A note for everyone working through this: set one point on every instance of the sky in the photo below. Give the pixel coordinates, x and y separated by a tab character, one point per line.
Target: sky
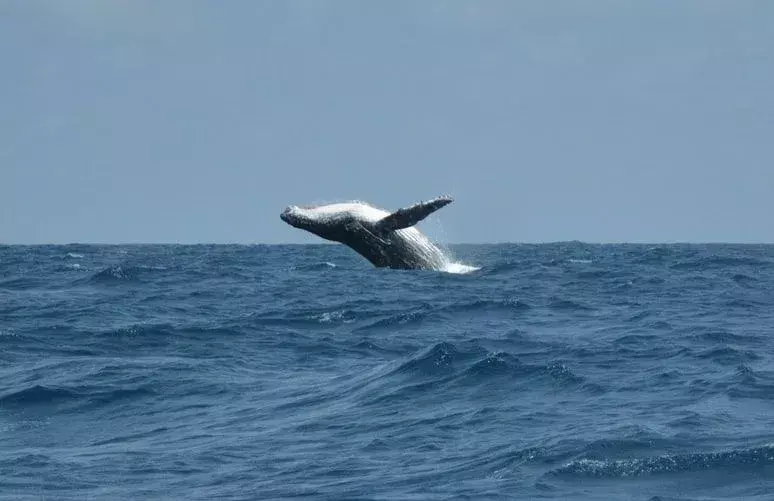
199	121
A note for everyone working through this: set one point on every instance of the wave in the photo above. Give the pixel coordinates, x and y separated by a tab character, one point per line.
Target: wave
419	374
510	305
741	459
716	335
21	283
715	262
596	274
324	266
43	395
749	383
498	364
504	364
642	315
68	267
438	359
745	303
37	394
727	355
404	318
136	330
21	461
645	340
311	317
653	255
369	317
744	279
503	268
568	305
335	317
8	332
122	273
474	364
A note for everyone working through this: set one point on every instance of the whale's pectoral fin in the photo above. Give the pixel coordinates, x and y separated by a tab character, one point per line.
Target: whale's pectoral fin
409	216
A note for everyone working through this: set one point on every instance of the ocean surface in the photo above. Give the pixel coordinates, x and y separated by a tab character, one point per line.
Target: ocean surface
558	371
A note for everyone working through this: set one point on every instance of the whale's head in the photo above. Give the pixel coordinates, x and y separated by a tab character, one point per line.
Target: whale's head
324	221
298	217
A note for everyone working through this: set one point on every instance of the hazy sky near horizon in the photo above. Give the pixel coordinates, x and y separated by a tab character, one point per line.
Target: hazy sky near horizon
199	121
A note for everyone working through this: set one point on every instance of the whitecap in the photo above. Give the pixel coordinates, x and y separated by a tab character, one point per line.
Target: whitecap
329	317
334	317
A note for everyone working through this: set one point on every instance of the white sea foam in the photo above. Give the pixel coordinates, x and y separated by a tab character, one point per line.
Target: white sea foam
335	316
329	317
458	268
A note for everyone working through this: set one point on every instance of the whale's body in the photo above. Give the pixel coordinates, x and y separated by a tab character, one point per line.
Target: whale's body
386	239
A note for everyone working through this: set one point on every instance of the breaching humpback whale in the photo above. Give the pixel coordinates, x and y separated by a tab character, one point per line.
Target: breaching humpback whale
385	239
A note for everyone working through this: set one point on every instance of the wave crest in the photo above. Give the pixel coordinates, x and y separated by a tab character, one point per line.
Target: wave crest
667	463
123	273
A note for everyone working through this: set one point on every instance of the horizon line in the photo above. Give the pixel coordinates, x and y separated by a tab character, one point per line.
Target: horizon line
544	242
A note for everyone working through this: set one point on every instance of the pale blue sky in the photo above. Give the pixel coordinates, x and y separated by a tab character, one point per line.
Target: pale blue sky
199	121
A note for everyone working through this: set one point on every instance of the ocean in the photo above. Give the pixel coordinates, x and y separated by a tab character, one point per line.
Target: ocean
226	372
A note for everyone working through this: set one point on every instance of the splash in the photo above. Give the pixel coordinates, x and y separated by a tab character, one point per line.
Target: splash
458	268
450	265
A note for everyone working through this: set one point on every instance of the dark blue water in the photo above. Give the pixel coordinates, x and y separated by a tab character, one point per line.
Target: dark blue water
564	371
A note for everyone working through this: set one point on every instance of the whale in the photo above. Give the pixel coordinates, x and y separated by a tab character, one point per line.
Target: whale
386	239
